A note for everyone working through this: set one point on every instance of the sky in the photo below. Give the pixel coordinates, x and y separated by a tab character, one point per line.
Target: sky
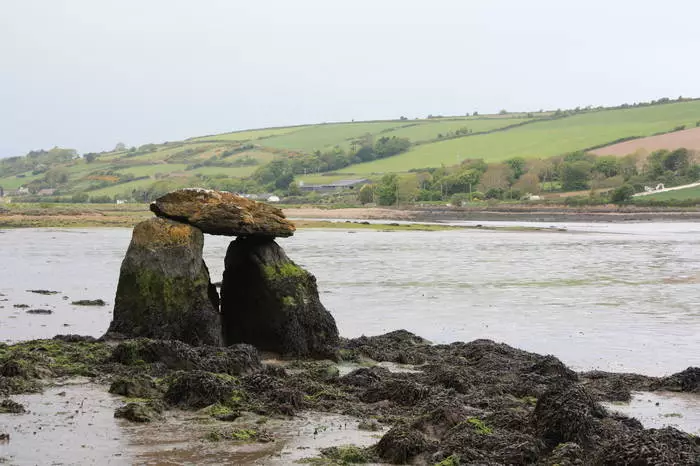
87	74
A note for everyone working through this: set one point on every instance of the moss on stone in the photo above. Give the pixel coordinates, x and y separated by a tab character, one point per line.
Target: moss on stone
285	270
480	426
240	435
289	301
452	460
216	410
59	357
159	232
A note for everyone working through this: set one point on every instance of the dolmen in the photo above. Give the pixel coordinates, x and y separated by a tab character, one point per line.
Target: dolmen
268	301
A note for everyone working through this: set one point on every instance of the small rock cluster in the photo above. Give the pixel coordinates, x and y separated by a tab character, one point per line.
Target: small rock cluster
165	291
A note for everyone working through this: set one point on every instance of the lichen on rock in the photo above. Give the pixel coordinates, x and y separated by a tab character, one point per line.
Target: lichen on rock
164	289
223	213
272	303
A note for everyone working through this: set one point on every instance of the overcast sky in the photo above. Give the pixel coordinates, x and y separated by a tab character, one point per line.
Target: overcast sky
87	74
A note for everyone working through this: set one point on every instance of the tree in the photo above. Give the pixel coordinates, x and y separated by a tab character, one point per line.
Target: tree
90	157
496	176
120	147
607	165
622	194
574	175
528	183
366	194
386	147
284	181
461	182
517	164
387	190
80	198
56	176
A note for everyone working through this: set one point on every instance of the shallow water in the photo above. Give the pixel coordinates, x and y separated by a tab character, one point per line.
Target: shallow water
75	424
662	409
620	297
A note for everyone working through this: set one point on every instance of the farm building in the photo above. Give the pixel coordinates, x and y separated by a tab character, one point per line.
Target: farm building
334	186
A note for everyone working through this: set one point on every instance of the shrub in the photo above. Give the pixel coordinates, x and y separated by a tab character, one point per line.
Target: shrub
622	194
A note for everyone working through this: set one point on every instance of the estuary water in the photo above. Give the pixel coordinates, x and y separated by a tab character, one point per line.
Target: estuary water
618	297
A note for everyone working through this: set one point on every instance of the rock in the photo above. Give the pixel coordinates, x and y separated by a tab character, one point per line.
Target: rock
650	447
134	387
402	392
176	355
685	381
199	389
44	292
566	413
89	302
141	412
40	311
401	444
71	338
9	406
273	304
223	213
164	289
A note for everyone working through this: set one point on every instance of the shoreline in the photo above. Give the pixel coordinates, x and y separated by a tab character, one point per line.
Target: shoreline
476	400
86	216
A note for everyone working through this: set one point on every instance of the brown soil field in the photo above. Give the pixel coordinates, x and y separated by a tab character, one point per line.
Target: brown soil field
689	139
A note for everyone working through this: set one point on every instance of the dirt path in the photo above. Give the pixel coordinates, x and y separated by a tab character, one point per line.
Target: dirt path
675	188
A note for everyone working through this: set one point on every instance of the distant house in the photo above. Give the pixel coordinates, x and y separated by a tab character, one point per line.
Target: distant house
21	191
334	186
273	199
46	192
258	197
121	201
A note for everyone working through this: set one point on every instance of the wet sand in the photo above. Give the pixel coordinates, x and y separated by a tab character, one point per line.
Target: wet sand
74	424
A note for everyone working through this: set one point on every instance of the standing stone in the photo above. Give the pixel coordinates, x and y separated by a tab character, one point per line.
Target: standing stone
223	213
164	290
271	303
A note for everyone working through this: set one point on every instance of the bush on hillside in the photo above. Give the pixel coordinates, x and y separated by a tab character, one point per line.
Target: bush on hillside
622	194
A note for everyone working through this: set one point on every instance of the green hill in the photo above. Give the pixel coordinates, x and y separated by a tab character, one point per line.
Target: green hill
342	149
542	139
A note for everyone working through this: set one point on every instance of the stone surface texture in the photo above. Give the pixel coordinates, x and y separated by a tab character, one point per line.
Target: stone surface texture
271	303
164	289
223	213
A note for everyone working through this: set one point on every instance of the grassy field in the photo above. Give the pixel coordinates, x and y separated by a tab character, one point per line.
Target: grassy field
232	172
681	195
126	188
541	139
536	139
320	137
251	135
429	130
12	182
150	170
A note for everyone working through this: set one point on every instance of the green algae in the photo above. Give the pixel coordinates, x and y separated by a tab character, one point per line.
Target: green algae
285	270
452	460
480	426
240	435
61	359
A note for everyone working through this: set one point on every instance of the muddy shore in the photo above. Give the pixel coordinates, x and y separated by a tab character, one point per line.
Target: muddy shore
463	403
522	213
76	215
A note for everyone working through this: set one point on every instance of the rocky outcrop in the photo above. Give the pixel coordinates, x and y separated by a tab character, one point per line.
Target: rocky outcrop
164	289
223	213
270	302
